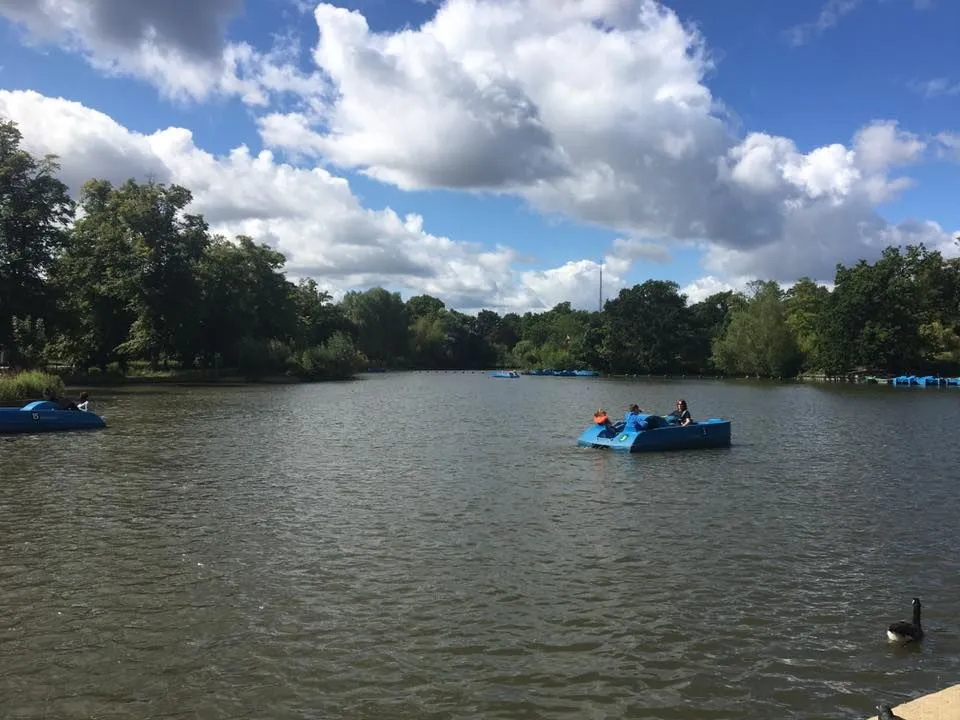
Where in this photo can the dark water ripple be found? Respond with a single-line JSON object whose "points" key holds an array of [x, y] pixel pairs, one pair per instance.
{"points": [[435, 546]]}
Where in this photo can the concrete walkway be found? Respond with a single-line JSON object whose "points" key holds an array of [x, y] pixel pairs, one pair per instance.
{"points": [[943, 705]]}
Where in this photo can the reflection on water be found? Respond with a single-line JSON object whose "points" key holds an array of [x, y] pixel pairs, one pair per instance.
{"points": [[436, 546]]}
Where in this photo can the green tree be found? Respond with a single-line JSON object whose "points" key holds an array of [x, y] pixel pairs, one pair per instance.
{"points": [[644, 328], [35, 210], [381, 321], [872, 318], [246, 303], [708, 320], [805, 304], [758, 340]]}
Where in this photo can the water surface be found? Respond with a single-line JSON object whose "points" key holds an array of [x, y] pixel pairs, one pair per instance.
{"points": [[434, 545]]}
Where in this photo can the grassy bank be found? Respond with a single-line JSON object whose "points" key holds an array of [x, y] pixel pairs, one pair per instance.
{"points": [[20, 388], [172, 377], [140, 373]]}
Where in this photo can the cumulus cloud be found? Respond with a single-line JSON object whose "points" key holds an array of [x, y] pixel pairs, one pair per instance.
{"points": [[309, 214], [596, 109], [178, 45], [194, 29]]}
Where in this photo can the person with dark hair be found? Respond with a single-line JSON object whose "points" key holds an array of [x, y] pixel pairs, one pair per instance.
{"points": [[682, 414], [83, 404]]}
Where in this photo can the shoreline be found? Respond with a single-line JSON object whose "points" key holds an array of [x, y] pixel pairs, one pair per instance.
{"points": [[940, 705]]}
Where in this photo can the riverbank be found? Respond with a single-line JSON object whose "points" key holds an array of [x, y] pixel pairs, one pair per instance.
{"points": [[177, 377], [18, 388], [22, 387], [942, 705]]}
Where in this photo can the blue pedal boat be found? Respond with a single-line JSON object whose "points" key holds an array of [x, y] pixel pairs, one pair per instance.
{"points": [[665, 434], [45, 416]]}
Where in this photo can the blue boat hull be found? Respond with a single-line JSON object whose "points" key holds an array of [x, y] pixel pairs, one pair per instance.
{"points": [[709, 433], [43, 416], [507, 374]]}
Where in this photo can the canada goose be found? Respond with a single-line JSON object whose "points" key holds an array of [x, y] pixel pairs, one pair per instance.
{"points": [[885, 712], [906, 632]]}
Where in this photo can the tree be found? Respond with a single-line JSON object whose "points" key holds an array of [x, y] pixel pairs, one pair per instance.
{"points": [[246, 302], [804, 304], [644, 328], [708, 319], [758, 340], [381, 321], [35, 209], [872, 319], [129, 275]]}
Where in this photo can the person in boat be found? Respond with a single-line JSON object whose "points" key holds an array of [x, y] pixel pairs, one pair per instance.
{"points": [[640, 419], [83, 404], [633, 419], [682, 414], [600, 417]]}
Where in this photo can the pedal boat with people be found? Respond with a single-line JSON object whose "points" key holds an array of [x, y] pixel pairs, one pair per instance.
{"points": [[647, 432], [45, 416]]}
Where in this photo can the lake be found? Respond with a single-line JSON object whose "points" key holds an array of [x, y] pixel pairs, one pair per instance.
{"points": [[435, 545]]}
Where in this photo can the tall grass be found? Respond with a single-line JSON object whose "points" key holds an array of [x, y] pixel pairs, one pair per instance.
{"points": [[30, 385]]}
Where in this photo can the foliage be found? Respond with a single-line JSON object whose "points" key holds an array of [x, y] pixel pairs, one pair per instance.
{"points": [[30, 385], [34, 210], [138, 281], [758, 341]]}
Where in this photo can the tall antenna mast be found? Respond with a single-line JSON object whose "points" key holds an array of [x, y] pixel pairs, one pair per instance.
{"points": [[600, 302]]}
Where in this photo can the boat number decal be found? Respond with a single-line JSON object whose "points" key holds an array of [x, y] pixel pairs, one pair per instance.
{"points": [[36, 415], [703, 431], [623, 437]]}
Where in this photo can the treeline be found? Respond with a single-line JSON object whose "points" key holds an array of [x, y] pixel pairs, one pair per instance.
{"points": [[128, 276]]}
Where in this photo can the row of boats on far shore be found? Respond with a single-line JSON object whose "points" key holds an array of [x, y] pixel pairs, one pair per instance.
{"points": [[512, 374]]}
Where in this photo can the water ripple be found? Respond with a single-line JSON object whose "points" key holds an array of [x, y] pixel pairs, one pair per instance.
{"points": [[266, 560]]}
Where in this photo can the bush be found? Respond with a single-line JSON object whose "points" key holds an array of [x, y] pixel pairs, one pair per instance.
{"points": [[26, 386], [337, 359], [257, 358]]}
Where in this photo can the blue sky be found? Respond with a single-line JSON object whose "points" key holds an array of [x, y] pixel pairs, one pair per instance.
{"points": [[809, 72]]}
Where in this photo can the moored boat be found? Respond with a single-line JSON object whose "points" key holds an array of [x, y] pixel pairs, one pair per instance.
{"points": [[46, 416], [661, 433], [504, 374]]}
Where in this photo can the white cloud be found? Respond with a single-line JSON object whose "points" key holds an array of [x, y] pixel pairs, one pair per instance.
{"points": [[935, 87], [948, 145], [704, 287], [177, 45], [882, 145], [310, 215], [596, 109], [830, 15], [831, 12]]}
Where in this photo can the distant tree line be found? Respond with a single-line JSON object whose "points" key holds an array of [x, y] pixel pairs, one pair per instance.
{"points": [[134, 278]]}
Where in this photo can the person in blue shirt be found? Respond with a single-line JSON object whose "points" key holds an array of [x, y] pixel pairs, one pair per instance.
{"points": [[632, 419]]}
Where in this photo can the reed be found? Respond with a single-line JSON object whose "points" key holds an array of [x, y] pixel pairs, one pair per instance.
{"points": [[30, 385]]}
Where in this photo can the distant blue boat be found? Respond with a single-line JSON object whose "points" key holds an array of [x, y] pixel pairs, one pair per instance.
{"points": [[665, 435], [44, 416], [504, 374], [920, 380]]}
